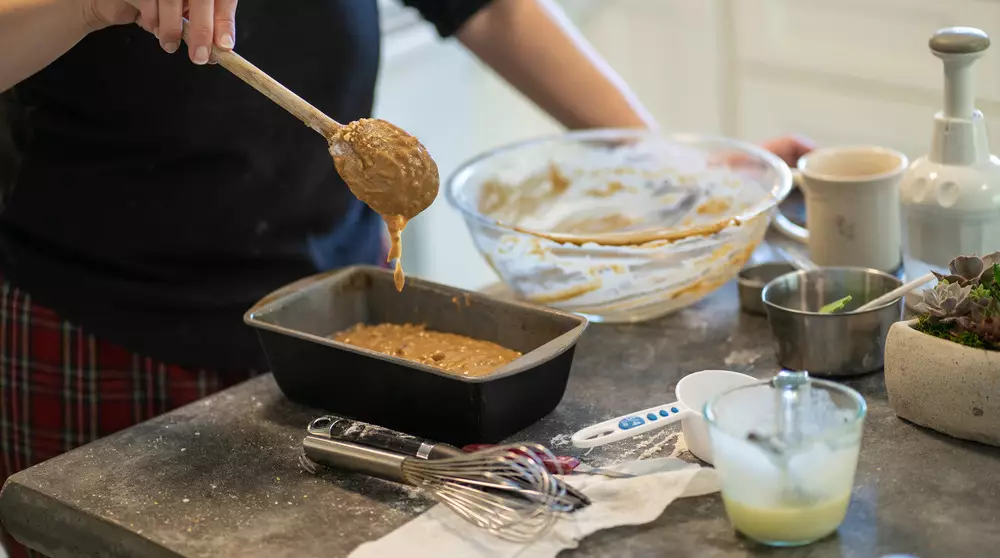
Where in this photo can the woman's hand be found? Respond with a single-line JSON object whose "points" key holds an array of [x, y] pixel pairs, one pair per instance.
{"points": [[789, 148], [211, 21]]}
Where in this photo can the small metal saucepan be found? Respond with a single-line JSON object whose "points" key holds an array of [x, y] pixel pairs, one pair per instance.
{"points": [[843, 343], [751, 280]]}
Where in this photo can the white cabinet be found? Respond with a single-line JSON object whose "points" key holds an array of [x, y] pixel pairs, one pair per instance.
{"points": [[670, 52], [881, 41], [851, 71], [770, 107]]}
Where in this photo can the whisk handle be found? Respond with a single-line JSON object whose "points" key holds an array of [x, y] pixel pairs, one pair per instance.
{"points": [[355, 457], [357, 432]]}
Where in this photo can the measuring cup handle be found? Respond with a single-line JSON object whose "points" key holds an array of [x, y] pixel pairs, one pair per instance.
{"points": [[630, 425], [784, 225]]}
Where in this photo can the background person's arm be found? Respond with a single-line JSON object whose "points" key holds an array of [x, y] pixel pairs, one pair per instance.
{"points": [[532, 45]]}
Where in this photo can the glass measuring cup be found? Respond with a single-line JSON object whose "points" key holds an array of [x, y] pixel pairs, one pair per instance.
{"points": [[786, 484]]}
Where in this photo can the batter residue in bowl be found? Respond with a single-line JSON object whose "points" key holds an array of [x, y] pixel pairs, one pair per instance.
{"points": [[389, 170], [457, 354], [511, 204]]}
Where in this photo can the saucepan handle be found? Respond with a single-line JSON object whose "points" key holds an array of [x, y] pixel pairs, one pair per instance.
{"points": [[784, 225], [632, 424]]}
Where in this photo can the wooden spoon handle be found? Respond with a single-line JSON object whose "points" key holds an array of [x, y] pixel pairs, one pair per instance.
{"points": [[284, 97], [256, 78]]}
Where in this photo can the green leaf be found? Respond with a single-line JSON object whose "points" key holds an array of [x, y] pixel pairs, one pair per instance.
{"points": [[938, 329], [995, 287], [969, 339], [948, 332], [835, 305], [979, 292]]}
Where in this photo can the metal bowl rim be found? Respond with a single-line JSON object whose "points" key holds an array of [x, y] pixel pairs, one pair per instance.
{"points": [[749, 282], [821, 270]]}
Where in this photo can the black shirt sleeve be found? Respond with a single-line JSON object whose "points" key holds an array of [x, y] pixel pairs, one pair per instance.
{"points": [[447, 15]]}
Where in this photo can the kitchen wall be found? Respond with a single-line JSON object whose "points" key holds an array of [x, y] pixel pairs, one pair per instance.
{"points": [[852, 71]]}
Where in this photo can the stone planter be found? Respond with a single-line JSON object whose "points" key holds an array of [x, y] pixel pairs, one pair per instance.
{"points": [[942, 385]]}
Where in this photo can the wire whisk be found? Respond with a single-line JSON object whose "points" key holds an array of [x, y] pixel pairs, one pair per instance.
{"points": [[505, 490]]}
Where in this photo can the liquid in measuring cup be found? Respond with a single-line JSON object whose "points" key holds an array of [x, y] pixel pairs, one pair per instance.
{"points": [[788, 525], [785, 503]]}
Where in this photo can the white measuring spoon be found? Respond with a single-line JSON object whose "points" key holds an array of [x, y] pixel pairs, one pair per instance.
{"points": [[692, 392], [898, 292]]}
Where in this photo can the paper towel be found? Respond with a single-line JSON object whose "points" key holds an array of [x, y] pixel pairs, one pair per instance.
{"points": [[615, 502]]}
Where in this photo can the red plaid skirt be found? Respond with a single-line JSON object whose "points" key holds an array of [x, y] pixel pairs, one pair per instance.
{"points": [[61, 388]]}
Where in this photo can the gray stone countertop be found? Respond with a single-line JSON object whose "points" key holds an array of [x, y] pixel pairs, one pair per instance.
{"points": [[221, 477]]}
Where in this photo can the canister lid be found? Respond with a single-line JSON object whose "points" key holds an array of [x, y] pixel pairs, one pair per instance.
{"points": [[959, 40]]}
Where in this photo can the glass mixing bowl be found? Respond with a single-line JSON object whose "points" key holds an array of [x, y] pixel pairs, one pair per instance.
{"points": [[619, 225]]}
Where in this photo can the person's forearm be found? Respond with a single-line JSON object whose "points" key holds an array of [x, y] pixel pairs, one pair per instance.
{"points": [[33, 33], [532, 45]]}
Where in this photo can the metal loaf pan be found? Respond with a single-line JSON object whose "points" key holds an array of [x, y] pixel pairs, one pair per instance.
{"points": [[294, 323]]}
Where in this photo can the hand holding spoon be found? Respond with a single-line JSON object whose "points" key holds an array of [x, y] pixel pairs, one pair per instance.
{"points": [[384, 166]]}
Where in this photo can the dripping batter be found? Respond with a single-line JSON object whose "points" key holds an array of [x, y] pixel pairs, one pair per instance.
{"points": [[389, 170]]}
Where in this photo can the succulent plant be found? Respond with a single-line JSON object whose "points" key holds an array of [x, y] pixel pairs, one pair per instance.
{"points": [[947, 301], [983, 303], [966, 270], [964, 306], [987, 329]]}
